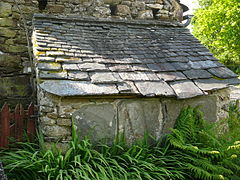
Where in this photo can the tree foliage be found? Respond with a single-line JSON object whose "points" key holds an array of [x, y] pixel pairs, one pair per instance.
{"points": [[217, 25]]}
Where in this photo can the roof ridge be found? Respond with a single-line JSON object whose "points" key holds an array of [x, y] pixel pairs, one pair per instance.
{"points": [[91, 19]]}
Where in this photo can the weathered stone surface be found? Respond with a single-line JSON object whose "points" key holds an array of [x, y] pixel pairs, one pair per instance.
{"points": [[146, 14], [10, 63], [14, 48], [8, 22], [56, 131], [56, 8], [64, 122], [222, 72], [76, 75], [127, 88], [123, 10], [6, 32], [210, 84], [70, 67], [172, 108], [53, 75], [105, 77], [155, 6], [47, 121], [97, 121], [77, 88], [171, 76], [15, 86], [49, 66], [197, 74], [185, 89], [92, 67], [155, 89], [5, 9], [139, 116]]}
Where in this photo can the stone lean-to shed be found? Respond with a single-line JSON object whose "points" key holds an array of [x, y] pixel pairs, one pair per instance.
{"points": [[122, 76]]}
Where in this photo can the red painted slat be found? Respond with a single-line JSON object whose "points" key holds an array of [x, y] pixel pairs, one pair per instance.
{"points": [[5, 126], [13, 124], [31, 123], [19, 122]]}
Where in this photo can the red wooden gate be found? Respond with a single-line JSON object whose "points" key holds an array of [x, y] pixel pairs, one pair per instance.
{"points": [[13, 123]]}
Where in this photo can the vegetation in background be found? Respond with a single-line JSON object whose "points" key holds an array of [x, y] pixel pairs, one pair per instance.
{"points": [[194, 150], [217, 25]]}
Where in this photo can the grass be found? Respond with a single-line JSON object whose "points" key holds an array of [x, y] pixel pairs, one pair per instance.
{"points": [[193, 150]]}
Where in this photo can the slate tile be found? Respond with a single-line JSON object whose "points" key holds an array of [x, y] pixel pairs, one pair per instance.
{"points": [[171, 76], [161, 67], [222, 72], [104, 78], [127, 87], [185, 89], [70, 67], [208, 64], [46, 59], [54, 53], [180, 66], [68, 60], [92, 67], [133, 76], [160, 88], [210, 84], [77, 75], [77, 88], [49, 66], [197, 74], [120, 67], [140, 67], [52, 75]]}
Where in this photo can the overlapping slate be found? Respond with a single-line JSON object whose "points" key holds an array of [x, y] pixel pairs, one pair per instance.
{"points": [[77, 56]]}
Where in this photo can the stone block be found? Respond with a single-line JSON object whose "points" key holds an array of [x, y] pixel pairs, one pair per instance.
{"points": [[47, 121], [5, 9], [139, 116], [6, 32], [123, 10], [8, 22], [56, 131], [64, 122], [10, 63], [146, 14], [55, 8], [13, 48], [15, 86], [172, 108], [98, 121]]}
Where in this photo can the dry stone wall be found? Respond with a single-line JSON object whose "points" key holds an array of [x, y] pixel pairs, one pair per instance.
{"points": [[15, 61], [104, 118]]}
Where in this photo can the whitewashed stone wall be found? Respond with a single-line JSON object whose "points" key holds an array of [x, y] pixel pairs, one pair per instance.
{"points": [[105, 118]]}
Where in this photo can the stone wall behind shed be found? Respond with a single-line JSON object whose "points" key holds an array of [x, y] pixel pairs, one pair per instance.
{"points": [[15, 63], [104, 118]]}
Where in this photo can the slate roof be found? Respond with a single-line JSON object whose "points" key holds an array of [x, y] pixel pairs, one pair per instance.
{"points": [[84, 56]]}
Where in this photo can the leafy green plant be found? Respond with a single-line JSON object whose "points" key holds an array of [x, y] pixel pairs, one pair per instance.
{"points": [[216, 25], [208, 156], [143, 160], [193, 150]]}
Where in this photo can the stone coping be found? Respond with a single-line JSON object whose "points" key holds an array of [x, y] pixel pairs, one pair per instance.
{"points": [[91, 19]]}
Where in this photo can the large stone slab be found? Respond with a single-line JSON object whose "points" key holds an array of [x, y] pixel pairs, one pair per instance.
{"points": [[155, 88], [77, 88], [139, 116], [185, 89], [98, 121]]}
